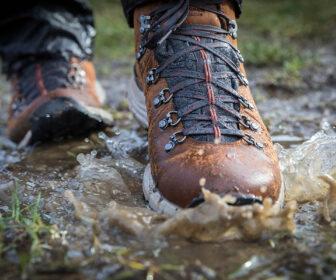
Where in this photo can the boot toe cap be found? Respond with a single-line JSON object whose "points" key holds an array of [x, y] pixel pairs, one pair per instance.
{"points": [[239, 170]]}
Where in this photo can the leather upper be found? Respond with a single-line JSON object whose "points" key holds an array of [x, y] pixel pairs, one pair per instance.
{"points": [[235, 168], [19, 118]]}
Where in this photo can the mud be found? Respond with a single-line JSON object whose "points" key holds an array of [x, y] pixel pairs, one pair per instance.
{"points": [[103, 229]]}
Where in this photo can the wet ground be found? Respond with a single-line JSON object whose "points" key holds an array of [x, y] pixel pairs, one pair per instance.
{"points": [[92, 221]]}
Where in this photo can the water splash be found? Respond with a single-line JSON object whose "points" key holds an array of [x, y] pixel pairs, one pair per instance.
{"points": [[124, 143], [302, 166], [99, 176], [213, 220], [328, 208]]}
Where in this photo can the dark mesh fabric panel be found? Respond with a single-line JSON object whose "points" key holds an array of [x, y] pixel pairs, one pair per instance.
{"points": [[52, 73], [194, 62]]}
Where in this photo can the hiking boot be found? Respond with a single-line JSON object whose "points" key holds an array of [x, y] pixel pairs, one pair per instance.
{"points": [[204, 130], [53, 99]]}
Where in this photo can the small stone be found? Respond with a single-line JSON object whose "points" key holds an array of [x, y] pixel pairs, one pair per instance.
{"points": [[200, 152]]}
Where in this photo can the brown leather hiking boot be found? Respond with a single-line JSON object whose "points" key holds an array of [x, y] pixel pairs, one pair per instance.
{"points": [[203, 126], [53, 99]]}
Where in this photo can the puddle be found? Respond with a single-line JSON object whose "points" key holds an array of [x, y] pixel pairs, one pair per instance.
{"points": [[90, 191]]}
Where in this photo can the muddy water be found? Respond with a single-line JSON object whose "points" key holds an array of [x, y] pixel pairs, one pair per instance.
{"points": [[91, 189]]}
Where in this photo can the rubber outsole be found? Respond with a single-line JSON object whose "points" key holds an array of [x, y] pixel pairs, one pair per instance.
{"points": [[156, 200], [64, 117]]}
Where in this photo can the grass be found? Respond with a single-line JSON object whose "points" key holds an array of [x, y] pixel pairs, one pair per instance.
{"points": [[283, 31], [23, 232], [114, 37], [291, 70]]}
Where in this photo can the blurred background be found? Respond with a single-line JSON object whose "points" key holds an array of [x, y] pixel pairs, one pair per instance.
{"points": [[282, 33]]}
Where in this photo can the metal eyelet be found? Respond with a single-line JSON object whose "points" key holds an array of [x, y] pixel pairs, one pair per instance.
{"points": [[242, 79], [174, 141], [152, 77], [76, 76], [76, 81], [144, 23], [168, 121], [242, 100], [232, 28], [246, 122], [77, 69], [240, 57], [250, 140], [161, 98], [141, 52], [75, 66]]}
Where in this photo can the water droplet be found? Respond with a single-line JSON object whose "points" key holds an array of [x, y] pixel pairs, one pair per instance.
{"points": [[202, 182]]}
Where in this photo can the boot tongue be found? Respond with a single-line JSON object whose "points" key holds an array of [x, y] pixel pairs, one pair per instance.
{"points": [[198, 16]]}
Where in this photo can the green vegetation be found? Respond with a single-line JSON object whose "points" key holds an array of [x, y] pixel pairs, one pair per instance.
{"points": [[291, 70], [114, 37], [270, 32], [284, 31], [24, 239], [23, 232]]}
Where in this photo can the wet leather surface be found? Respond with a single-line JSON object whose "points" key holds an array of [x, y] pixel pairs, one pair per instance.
{"points": [[227, 167]]}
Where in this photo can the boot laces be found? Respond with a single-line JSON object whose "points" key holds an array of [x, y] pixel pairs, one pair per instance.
{"points": [[165, 22]]}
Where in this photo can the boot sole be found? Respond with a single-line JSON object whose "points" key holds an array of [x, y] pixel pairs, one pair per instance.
{"points": [[156, 201], [64, 117]]}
